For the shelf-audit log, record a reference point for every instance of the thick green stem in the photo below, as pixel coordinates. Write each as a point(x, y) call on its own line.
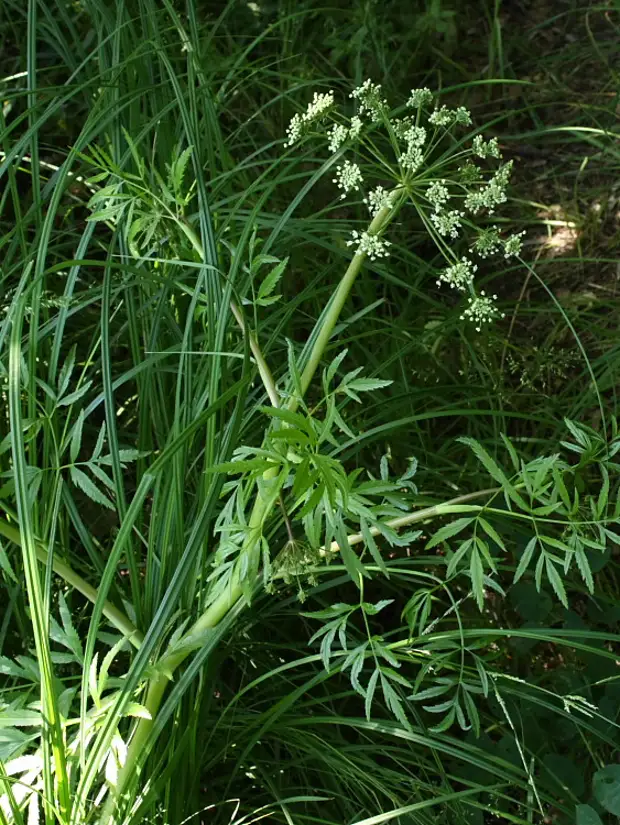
point(112, 613)
point(220, 607)
point(378, 224)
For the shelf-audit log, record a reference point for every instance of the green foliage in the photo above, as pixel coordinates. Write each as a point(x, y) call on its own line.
point(212, 400)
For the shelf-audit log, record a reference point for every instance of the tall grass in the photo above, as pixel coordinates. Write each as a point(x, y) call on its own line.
point(173, 643)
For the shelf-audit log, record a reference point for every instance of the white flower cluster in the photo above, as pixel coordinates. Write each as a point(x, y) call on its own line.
point(485, 148)
point(379, 199)
point(355, 128)
point(336, 137)
point(513, 245)
point(419, 98)
point(446, 117)
point(316, 110)
point(339, 133)
point(414, 138)
point(458, 276)
point(367, 244)
point(488, 242)
point(447, 223)
point(481, 310)
point(370, 100)
point(491, 195)
point(437, 193)
point(348, 177)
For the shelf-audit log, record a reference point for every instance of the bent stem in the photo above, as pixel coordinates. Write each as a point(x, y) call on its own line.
point(137, 750)
point(113, 614)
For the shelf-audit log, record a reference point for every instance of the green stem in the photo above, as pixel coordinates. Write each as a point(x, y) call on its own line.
point(113, 614)
point(261, 509)
point(378, 224)
point(263, 368)
point(454, 505)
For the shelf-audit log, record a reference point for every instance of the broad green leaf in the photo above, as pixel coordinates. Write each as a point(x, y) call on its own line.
point(586, 815)
point(606, 788)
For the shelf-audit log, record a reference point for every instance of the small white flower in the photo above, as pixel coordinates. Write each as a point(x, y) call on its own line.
point(488, 242)
point(462, 116)
point(481, 310)
point(379, 199)
point(412, 159)
point(485, 148)
point(294, 130)
point(316, 110)
point(441, 117)
point(491, 195)
point(437, 193)
point(370, 100)
point(513, 245)
point(448, 223)
point(348, 178)
point(319, 106)
point(412, 135)
point(367, 244)
point(459, 275)
point(336, 137)
point(420, 97)
point(355, 128)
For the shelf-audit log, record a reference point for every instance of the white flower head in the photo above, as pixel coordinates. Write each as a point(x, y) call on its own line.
point(294, 130)
point(448, 223)
point(336, 136)
point(319, 106)
point(488, 242)
point(437, 193)
point(379, 199)
point(491, 195)
point(412, 159)
point(462, 116)
point(367, 244)
point(481, 310)
point(355, 127)
point(458, 276)
point(513, 245)
point(406, 129)
point(370, 99)
point(315, 111)
point(419, 98)
point(441, 117)
point(348, 177)
point(485, 148)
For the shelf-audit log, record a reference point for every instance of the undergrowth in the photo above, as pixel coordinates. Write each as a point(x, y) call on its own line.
point(309, 495)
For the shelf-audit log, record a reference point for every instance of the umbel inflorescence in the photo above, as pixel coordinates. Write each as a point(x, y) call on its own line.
point(449, 180)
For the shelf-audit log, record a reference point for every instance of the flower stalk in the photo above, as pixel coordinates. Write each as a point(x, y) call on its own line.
point(260, 512)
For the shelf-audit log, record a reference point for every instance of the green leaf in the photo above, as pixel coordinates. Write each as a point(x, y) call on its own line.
point(491, 532)
point(448, 530)
point(81, 480)
point(525, 559)
point(493, 470)
point(476, 573)
point(586, 815)
point(76, 437)
point(270, 282)
point(371, 544)
point(74, 396)
point(606, 788)
point(556, 581)
point(370, 693)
